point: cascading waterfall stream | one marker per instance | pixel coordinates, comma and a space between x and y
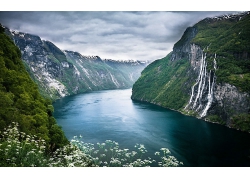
209, 96
204, 78
203, 86
215, 64
210, 90
198, 81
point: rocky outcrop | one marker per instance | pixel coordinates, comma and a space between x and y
229, 101
60, 73
182, 48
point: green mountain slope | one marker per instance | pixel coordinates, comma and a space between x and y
207, 73
20, 100
230, 40
162, 82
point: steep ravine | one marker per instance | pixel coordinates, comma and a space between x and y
206, 74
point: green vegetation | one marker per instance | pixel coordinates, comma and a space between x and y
230, 40
163, 83
18, 149
57, 53
20, 99
241, 122
186, 37
216, 119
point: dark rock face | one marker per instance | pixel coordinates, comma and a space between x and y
182, 47
229, 101
61, 73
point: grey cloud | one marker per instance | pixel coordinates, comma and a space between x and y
113, 34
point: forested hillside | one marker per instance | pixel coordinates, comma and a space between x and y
20, 100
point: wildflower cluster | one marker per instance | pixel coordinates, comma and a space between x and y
18, 149
70, 156
108, 154
166, 159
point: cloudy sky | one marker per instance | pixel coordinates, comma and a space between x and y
138, 35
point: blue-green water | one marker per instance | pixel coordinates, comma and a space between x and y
112, 115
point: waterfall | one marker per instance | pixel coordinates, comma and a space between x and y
203, 86
215, 64
210, 90
204, 78
197, 81
114, 80
209, 96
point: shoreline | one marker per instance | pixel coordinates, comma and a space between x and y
204, 119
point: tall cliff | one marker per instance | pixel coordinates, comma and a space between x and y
60, 73
206, 75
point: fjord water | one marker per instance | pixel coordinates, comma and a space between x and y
112, 115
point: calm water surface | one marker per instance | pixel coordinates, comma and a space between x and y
111, 114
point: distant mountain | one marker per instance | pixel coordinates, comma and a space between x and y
60, 73
207, 74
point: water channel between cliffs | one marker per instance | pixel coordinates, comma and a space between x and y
112, 115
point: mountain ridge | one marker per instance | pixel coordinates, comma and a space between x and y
60, 73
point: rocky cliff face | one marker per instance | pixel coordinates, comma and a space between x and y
60, 73
209, 98
207, 73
